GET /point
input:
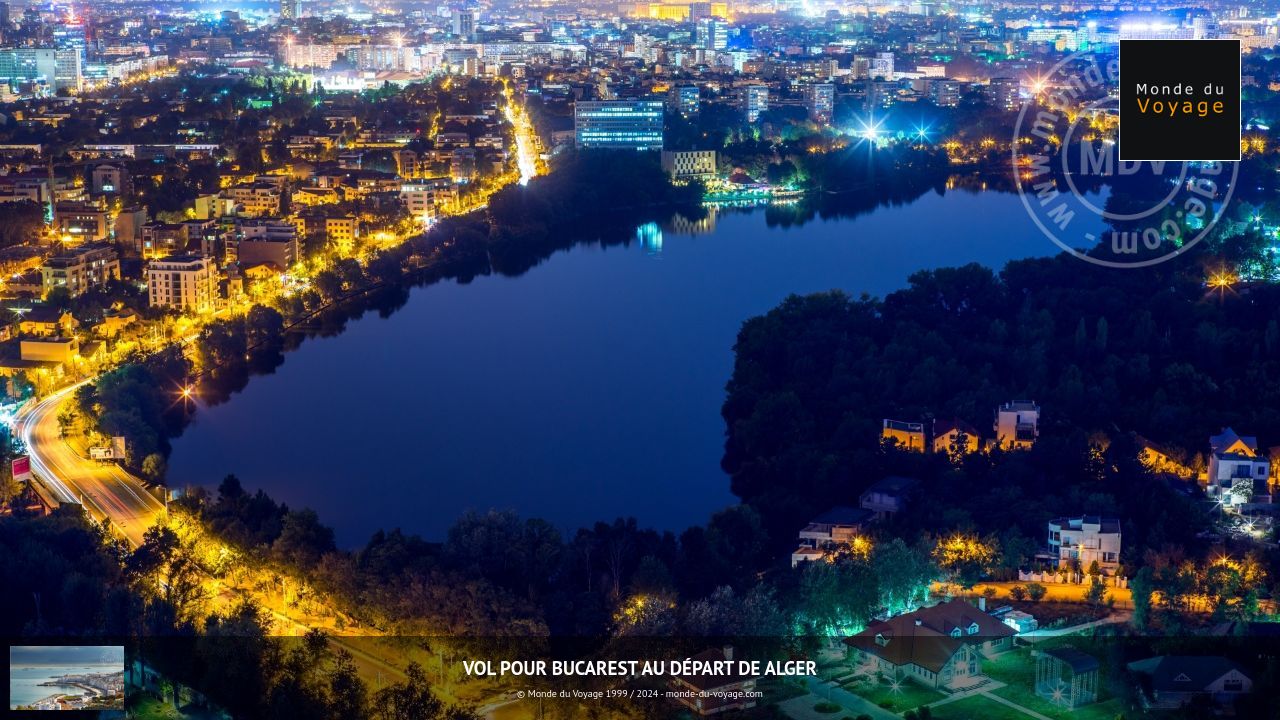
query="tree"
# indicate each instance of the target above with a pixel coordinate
(1036, 591)
(1141, 587)
(409, 700)
(903, 575)
(303, 540)
(9, 488)
(154, 467)
(1097, 593)
(349, 698)
(966, 557)
(20, 222)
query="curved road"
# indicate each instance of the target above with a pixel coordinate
(122, 503)
(111, 495)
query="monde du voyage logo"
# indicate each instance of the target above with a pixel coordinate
(1170, 121)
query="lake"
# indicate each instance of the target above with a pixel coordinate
(586, 389)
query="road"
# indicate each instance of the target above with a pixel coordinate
(122, 503)
(112, 496)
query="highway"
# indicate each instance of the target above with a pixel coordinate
(112, 496)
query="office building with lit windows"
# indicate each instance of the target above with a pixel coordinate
(618, 124)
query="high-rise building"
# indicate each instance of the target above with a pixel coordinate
(820, 101)
(290, 9)
(755, 100)
(618, 124)
(700, 10)
(882, 65)
(37, 67)
(464, 24)
(944, 92)
(1003, 92)
(69, 69)
(684, 99)
(712, 34)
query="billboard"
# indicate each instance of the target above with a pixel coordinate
(21, 467)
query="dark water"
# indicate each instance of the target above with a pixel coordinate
(586, 389)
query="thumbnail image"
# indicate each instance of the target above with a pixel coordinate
(52, 677)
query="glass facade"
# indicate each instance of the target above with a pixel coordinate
(619, 124)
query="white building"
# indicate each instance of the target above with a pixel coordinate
(1017, 425)
(184, 282)
(690, 164)
(1087, 539)
(1237, 471)
(256, 199)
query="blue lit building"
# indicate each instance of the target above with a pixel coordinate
(618, 124)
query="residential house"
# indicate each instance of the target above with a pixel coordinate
(114, 322)
(1017, 425)
(888, 495)
(1171, 681)
(955, 435)
(907, 435)
(940, 647)
(1086, 540)
(841, 526)
(49, 350)
(1237, 471)
(713, 693)
(47, 321)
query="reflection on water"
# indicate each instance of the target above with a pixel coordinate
(585, 388)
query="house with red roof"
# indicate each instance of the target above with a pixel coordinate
(940, 647)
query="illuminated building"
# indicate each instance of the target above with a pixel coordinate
(79, 270)
(820, 101)
(110, 180)
(939, 647)
(1017, 425)
(907, 435)
(944, 92)
(755, 100)
(1003, 92)
(183, 282)
(618, 124)
(1082, 541)
(684, 100)
(264, 241)
(69, 69)
(679, 12)
(81, 221)
(342, 231)
(690, 164)
(882, 65)
(1237, 472)
(838, 527)
(463, 24)
(712, 34)
(34, 67)
(290, 9)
